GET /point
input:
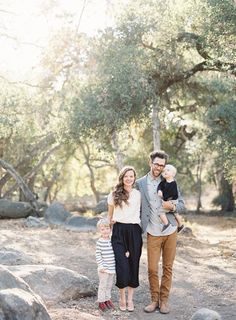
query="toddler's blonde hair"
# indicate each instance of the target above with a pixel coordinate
(103, 222)
(172, 168)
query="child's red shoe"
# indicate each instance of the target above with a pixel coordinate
(109, 304)
(102, 306)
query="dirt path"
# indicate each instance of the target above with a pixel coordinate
(204, 270)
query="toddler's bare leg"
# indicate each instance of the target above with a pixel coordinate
(178, 219)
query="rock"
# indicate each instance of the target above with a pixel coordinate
(19, 304)
(10, 257)
(187, 232)
(206, 314)
(102, 206)
(81, 223)
(56, 214)
(42, 208)
(33, 222)
(15, 210)
(17, 300)
(54, 284)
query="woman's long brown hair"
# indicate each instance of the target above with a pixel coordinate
(120, 194)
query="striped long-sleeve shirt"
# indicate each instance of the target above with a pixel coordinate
(105, 256)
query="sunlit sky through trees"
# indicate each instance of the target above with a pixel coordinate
(27, 25)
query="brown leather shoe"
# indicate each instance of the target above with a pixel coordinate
(164, 308)
(151, 307)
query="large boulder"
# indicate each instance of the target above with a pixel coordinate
(17, 300)
(206, 314)
(15, 210)
(54, 284)
(56, 214)
(102, 206)
(34, 222)
(81, 223)
(9, 257)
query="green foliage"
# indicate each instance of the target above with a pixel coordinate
(94, 87)
(117, 94)
(154, 43)
(17, 122)
(222, 134)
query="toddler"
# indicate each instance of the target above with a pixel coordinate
(167, 190)
(106, 265)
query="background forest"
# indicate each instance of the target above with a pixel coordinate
(151, 75)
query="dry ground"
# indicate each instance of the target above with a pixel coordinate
(204, 270)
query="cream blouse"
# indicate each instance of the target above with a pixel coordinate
(129, 213)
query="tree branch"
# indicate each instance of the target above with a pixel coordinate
(214, 65)
(31, 153)
(24, 83)
(196, 40)
(209, 64)
(30, 174)
(21, 183)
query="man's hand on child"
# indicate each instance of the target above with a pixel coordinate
(168, 205)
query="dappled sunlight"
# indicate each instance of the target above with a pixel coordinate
(202, 275)
(214, 229)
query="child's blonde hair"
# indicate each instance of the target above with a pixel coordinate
(172, 168)
(103, 222)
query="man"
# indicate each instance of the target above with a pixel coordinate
(158, 242)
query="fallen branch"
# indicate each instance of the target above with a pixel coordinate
(29, 196)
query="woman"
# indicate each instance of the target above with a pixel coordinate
(124, 213)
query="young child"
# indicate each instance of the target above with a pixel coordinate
(106, 265)
(167, 190)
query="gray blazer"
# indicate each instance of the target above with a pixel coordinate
(141, 185)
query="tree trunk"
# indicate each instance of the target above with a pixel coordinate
(29, 196)
(226, 192)
(86, 154)
(156, 126)
(199, 184)
(50, 185)
(33, 171)
(119, 155)
(36, 150)
(30, 184)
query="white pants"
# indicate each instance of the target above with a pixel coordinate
(105, 285)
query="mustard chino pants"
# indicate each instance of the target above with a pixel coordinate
(158, 246)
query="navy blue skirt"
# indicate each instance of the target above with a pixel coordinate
(127, 237)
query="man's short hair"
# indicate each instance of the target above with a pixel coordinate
(158, 154)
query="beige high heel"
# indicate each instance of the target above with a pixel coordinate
(130, 306)
(122, 305)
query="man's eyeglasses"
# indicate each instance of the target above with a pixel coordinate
(156, 164)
